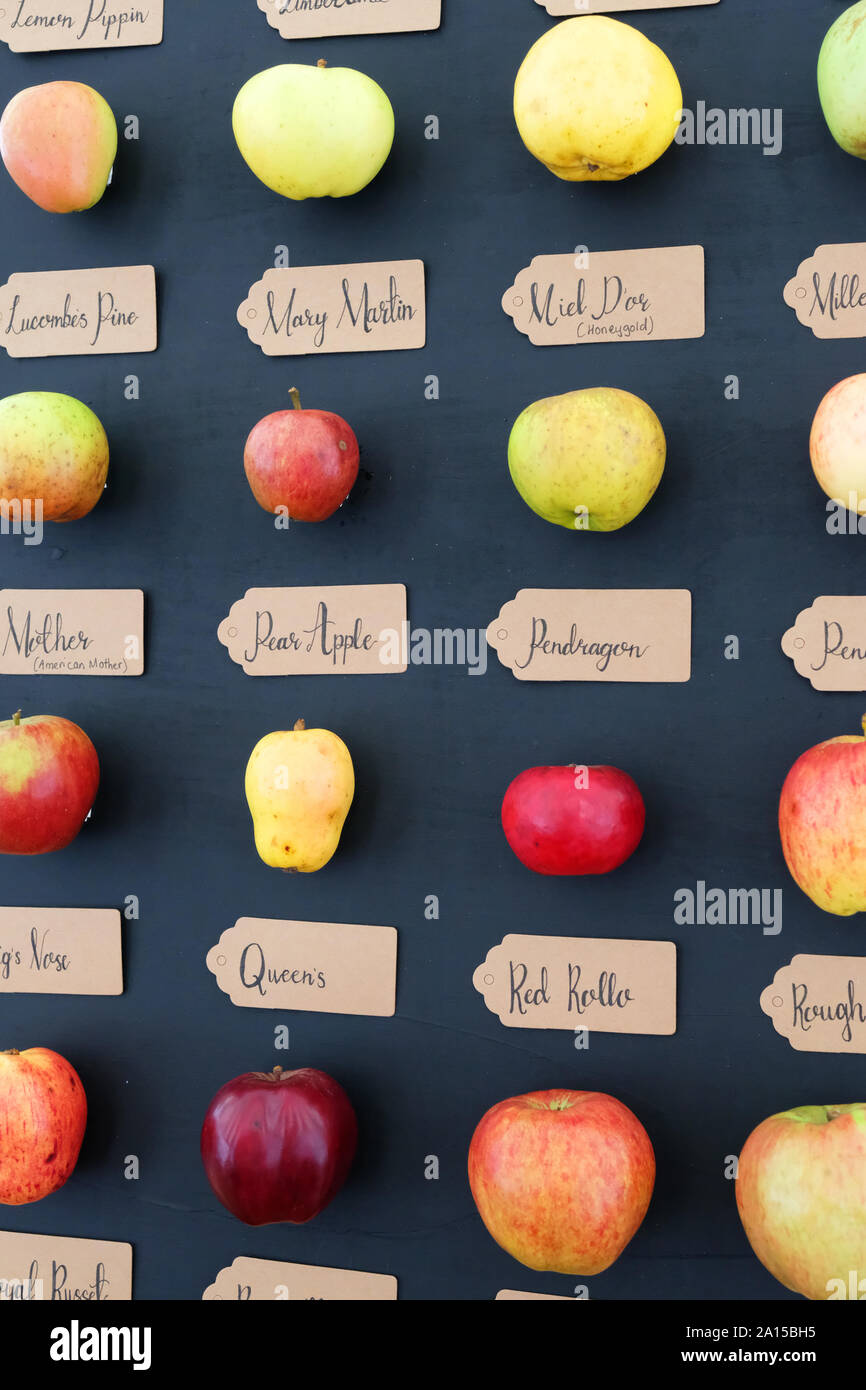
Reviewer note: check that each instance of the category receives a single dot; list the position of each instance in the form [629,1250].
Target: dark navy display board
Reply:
[738,519]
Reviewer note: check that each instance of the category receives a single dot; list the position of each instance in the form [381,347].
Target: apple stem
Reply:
[863,723]
[16,718]
[295,397]
[277,1073]
[299,725]
[322,63]
[10,1052]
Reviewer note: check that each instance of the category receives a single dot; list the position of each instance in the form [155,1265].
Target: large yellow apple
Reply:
[595,99]
[837,444]
[313,132]
[589,460]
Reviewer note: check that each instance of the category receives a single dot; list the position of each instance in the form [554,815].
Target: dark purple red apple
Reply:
[49,775]
[305,461]
[573,820]
[278,1146]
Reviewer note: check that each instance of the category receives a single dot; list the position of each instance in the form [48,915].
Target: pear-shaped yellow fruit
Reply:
[299,784]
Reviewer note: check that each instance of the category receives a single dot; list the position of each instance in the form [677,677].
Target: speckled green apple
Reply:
[801,1195]
[589,460]
[842,80]
[313,131]
[53,450]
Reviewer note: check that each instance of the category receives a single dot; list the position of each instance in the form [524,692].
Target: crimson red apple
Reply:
[573,820]
[305,461]
[801,1195]
[278,1146]
[43,1114]
[822,823]
[49,775]
[562,1179]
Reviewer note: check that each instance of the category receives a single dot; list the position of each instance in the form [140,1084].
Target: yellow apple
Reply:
[595,99]
[837,444]
[313,132]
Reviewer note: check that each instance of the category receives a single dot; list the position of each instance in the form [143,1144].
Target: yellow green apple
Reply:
[822,823]
[54,452]
[842,80]
[837,444]
[801,1195]
[313,131]
[596,100]
[59,142]
[589,460]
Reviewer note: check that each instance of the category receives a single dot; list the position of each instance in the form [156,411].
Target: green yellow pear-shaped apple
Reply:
[842,80]
[595,99]
[59,142]
[313,132]
[299,784]
[54,452]
[589,460]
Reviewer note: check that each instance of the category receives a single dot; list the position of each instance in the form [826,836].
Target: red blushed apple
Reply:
[822,823]
[278,1146]
[562,1179]
[305,461]
[43,1114]
[801,1195]
[573,820]
[49,775]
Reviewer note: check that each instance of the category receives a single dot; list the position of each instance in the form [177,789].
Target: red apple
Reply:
[822,822]
[801,1195]
[49,774]
[303,460]
[278,1146]
[573,820]
[43,1114]
[562,1179]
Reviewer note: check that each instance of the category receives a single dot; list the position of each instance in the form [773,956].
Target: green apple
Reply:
[53,451]
[801,1195]
[313,132]
[842,80]
[589,460]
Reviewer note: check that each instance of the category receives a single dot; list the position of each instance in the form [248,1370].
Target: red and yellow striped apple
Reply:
[562,1179]
[49,775]
[822,822]
[58,142]
[43,1114]
[801,1195]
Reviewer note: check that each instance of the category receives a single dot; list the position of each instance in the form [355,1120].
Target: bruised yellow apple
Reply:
[299,785]
[596,100]
[58,142]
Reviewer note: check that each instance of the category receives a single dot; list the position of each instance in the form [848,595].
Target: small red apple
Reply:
[562,1179]
[49,775]
[278,1146]
[573,820]
[303,460]
[43,1114]
[822,823]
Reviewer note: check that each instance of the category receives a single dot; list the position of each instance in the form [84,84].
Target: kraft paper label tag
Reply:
[610,296]
[581,982]
[377,307]
[42,26]
[71,632]
[72,313]
[316,19]
[63,1269]
[519,1296]
[351,629]
[827,643]
[248,1280]
[315,967]
[60,950]
[819,1003]
[631,635]
[828,293]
